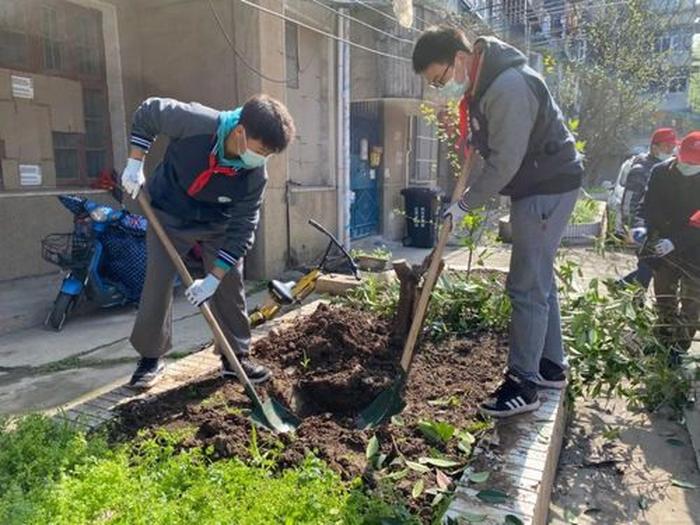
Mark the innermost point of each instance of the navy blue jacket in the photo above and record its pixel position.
(232, 200)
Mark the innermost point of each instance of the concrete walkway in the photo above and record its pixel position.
(42, 369)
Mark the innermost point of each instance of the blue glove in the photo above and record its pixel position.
(639, 235)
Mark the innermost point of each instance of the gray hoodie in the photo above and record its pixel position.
(518, 129)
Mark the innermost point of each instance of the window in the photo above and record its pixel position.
(96, 131)
(663, 43)
(68, 152)
(14, 41)
(425, 148)
(51, 42)
(678, 82)
(291, 42)
(88, 49)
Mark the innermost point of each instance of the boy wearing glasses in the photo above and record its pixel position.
(208, 189)
(512, 121)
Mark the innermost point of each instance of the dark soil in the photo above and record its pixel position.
(327, 368)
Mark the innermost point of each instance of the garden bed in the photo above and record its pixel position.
(328, 367)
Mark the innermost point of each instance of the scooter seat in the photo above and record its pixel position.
(282, 291)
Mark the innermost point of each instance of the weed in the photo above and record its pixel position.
(586, 211)
(458, 306)
(51, 473)
(378, 253)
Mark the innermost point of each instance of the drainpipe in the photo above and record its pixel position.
(343, 130)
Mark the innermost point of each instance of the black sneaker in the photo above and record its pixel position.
(256, 372)
(148, 371)
(514, 396)
(551, 375)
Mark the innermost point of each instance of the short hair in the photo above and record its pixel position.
(438, 45)
(268, 120)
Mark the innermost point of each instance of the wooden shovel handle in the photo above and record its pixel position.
(431, 277)
(435, 256)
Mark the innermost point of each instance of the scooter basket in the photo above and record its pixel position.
(66, 250)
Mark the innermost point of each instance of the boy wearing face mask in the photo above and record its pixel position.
(512, 121)
(208, 189)
(670, 219)
(663, 144)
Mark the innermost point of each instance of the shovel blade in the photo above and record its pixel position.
(275, 417)
(387, 404)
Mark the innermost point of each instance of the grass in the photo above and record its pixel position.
(52, 473)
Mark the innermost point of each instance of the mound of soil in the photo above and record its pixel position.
(337, 360)
(328, 367)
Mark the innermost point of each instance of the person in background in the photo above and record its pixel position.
(669, 225)
(513, 122)
(207, 189)
(663, 144)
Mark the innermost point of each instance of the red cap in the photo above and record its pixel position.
(689, 152)
(664, 136)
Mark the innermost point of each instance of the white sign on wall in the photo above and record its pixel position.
(22, 87)
(29, 175)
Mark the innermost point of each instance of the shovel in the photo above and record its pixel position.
(270, 414)
(391, 402)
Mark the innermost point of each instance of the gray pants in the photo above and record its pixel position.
(538, 223)
(152, 333)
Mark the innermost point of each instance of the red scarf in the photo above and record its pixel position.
(203, 178)
(463, 144)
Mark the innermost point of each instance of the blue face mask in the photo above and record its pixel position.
(453, 90)
(252, 159)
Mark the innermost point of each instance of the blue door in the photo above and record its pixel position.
(366, 159)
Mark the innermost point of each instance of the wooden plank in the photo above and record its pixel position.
(519, 502)
(494, 516)
(557, 437)
(529, 448)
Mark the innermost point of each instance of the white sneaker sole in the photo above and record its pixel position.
(512, 412)
(556, 385)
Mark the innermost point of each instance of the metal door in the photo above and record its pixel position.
(366, 161)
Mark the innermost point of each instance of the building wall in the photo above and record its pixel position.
(27, 214)
(28, 217)
(312, 189)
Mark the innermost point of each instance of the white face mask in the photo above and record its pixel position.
(664, 156)
(453, 90)
(688, 169)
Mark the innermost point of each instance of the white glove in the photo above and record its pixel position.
(639, 234)
(132, 177)
(202, 289)
(663, 247)
(457, 212)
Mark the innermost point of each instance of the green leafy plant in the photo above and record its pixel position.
(438, 432)
(378, 253)
(52, 473)
(586, 211)
(613, 349)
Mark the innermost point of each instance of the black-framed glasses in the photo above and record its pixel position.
(440, 81)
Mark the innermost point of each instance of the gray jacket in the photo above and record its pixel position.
(231, 204)
(518, 129)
